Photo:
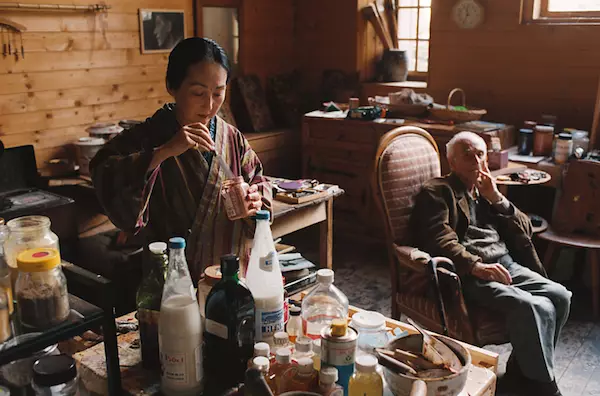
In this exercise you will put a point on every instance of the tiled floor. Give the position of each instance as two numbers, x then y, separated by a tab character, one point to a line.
362	274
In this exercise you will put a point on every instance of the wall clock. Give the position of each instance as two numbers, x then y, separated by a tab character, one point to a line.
468	14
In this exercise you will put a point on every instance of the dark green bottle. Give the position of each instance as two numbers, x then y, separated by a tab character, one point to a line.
148	300
228	329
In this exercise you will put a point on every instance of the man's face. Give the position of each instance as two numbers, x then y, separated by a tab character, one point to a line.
201	94
469	158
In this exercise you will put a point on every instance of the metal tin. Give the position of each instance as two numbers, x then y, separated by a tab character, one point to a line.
339	352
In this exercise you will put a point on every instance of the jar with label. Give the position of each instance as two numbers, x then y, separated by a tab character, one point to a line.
5	281
564	147
234	193
41	289
543	138
28	232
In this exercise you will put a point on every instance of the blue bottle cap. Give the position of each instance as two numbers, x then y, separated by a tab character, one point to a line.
262	215
177	243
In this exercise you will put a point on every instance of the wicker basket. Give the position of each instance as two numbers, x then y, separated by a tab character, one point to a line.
449	114
401	110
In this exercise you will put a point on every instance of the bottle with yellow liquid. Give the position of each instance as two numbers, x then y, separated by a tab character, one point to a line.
366	381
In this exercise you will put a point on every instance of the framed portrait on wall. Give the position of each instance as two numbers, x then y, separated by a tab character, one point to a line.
160	30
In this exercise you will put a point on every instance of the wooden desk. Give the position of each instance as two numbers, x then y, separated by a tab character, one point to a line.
140	382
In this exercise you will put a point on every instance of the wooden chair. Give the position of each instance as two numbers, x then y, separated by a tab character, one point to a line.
426	289
576	221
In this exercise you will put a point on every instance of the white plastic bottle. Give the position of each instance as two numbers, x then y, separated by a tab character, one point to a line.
180	328
323	304
264	280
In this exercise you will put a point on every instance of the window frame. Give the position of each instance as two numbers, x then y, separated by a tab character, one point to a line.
415	74
536	12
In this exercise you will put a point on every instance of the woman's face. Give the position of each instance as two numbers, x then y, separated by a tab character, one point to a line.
201	93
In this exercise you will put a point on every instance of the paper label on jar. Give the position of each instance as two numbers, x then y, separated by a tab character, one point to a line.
173	367
216	328
266	262
268	323
199	368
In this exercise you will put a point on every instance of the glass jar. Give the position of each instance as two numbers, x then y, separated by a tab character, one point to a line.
18	373
5	280
543	139
581	140
525	141
564	148
28	232
372	330
41	289
55	376
234	193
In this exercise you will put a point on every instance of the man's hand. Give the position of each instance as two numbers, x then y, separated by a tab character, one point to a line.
487	185
491	272
253	200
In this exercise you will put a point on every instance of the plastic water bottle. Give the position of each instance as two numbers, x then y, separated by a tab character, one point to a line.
323	304
264	280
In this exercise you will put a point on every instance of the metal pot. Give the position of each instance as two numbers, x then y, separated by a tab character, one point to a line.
450	385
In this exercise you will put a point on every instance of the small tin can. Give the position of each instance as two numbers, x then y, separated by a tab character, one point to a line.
338	349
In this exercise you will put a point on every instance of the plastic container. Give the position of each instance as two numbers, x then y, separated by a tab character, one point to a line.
323	304
260	349
180	328
41	289
303	349
302	378
366	381
55	376
264	280
27	232
327	382
19	372
234	193
281	340
581	140
280	368
372	331
563	149
294	324
86	148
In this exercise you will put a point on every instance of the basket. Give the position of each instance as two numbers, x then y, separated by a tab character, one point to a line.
449	114
399	110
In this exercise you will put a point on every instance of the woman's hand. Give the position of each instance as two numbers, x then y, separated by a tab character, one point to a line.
190	136
253	200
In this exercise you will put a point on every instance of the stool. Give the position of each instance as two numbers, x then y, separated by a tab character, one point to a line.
591	245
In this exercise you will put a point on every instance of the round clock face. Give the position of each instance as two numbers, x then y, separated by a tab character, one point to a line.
468	14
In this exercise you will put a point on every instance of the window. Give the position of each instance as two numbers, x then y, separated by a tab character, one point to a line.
414	17
561	11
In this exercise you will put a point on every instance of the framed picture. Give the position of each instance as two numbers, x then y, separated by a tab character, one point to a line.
161	30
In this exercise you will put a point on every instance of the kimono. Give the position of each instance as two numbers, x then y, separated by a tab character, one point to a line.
181	197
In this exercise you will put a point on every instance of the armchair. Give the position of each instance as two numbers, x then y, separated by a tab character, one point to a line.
426	289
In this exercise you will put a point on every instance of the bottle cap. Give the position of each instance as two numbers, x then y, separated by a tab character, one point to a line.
339	327
230	264
177	243
325	276
38	260
366	363
328	375
283	356
157	247
260	363
295	310
281	338
526	131
316	346
262	215
54	370
303	344
262	349
305	365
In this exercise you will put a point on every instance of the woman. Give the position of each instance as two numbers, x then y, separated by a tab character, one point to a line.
161	176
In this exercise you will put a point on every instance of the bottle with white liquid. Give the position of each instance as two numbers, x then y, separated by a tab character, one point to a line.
264	280
180	328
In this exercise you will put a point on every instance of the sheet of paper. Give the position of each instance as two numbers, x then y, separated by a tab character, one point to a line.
530	159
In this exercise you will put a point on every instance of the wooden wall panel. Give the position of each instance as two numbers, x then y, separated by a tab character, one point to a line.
79	68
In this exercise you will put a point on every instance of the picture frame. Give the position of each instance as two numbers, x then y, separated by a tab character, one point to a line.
160	30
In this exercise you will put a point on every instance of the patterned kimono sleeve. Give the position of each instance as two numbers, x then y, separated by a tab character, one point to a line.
121	179
252	171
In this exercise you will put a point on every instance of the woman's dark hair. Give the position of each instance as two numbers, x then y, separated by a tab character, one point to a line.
189	52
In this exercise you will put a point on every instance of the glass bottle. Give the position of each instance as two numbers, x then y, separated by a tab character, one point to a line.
55	376
5	280
323	304
365	381
180	328
294	324
327	382
301	378
228	329
148	299
28	232
279	369
264	280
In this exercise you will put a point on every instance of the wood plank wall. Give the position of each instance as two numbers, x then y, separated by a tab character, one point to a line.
79	68
516	71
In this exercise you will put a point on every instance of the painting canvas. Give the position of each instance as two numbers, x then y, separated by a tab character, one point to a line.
161	30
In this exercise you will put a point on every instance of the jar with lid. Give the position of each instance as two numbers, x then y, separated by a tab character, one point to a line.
55	376
234	193
28	232
525	141
372	330
19	373
580	140
41	289
5	280
543	138
564	148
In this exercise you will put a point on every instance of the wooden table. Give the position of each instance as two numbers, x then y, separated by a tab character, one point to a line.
138	381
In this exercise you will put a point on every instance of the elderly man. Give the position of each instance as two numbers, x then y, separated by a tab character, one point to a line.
464	217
